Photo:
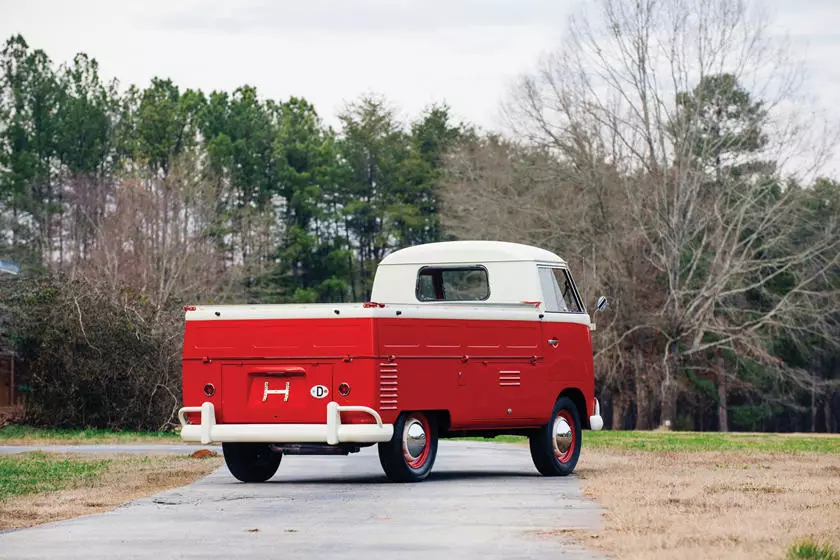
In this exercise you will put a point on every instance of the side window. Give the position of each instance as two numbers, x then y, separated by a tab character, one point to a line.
426	288
559	291
453	284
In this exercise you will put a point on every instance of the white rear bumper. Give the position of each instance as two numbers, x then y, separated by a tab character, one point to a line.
595	421
333	432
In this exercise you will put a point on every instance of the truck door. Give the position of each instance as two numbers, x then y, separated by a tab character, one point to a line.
565	334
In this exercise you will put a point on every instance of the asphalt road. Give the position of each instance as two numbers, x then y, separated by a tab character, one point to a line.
483	500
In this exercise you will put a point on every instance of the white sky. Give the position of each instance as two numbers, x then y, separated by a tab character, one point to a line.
414	52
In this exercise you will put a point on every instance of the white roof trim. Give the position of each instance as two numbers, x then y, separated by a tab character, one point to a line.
469	252
462	311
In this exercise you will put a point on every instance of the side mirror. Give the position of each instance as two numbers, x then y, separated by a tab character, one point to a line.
602	304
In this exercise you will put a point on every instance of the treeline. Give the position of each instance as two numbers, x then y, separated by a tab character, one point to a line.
221	194
683	186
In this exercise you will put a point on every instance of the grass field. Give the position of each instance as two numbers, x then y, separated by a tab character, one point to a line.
27	435
41	472
711	441
605	440
42	487
701	441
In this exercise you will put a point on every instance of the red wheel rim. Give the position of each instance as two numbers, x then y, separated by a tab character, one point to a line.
564	436
416	425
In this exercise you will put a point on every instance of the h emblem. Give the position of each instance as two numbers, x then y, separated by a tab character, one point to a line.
284	392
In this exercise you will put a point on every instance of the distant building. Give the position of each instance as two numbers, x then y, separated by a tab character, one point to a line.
9	267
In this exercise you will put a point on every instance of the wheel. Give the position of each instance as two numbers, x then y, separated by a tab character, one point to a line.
556	446
251	462
410	454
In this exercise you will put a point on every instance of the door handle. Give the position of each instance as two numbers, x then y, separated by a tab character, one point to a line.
554	342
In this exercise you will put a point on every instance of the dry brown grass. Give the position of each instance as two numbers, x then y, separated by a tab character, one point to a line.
126	478
711	504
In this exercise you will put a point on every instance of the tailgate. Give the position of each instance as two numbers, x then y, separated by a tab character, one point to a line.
266	393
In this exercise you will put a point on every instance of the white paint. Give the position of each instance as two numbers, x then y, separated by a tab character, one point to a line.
267	391
319	391
332	432
595	421
476	311
470	252
512	272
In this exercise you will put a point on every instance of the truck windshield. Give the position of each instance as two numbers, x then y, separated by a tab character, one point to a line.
559	291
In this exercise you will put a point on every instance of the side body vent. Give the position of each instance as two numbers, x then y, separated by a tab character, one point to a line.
509	378
388	386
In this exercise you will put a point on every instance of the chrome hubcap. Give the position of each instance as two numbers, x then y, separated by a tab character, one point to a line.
414	438
562	435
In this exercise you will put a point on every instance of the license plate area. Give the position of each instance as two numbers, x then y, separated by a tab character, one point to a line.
276	393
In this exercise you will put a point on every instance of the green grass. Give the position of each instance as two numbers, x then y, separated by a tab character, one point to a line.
39	472
701	441
27	434
808	550
608	440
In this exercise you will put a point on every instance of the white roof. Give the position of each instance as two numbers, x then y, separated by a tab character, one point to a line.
470	252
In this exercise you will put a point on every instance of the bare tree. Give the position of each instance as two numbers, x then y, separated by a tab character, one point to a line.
155	238
688	107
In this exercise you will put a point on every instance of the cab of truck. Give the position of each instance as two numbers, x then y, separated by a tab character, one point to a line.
461	338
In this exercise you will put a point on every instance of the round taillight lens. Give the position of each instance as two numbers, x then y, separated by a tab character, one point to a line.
344	389
209	390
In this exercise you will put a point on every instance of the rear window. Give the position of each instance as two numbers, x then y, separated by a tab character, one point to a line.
468	283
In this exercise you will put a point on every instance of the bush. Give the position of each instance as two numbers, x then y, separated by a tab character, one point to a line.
93	357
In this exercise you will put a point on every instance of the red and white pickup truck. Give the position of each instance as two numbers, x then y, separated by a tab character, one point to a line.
463	338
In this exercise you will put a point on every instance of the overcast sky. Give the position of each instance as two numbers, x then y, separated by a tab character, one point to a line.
414	52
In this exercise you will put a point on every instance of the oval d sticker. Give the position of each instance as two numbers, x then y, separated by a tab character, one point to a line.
319	391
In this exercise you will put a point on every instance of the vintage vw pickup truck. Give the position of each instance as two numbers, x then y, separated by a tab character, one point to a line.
462	338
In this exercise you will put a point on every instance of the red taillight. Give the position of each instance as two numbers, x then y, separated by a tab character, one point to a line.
189	308
209	390
344	389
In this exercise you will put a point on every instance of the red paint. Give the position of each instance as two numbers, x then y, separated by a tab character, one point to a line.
567	455
476	370
416	463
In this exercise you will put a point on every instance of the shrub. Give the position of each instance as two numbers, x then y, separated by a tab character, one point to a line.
93	356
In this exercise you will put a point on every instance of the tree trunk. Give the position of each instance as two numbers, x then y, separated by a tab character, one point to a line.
350	260
723	416
619	405
643	409
669	386
829	420
669	404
